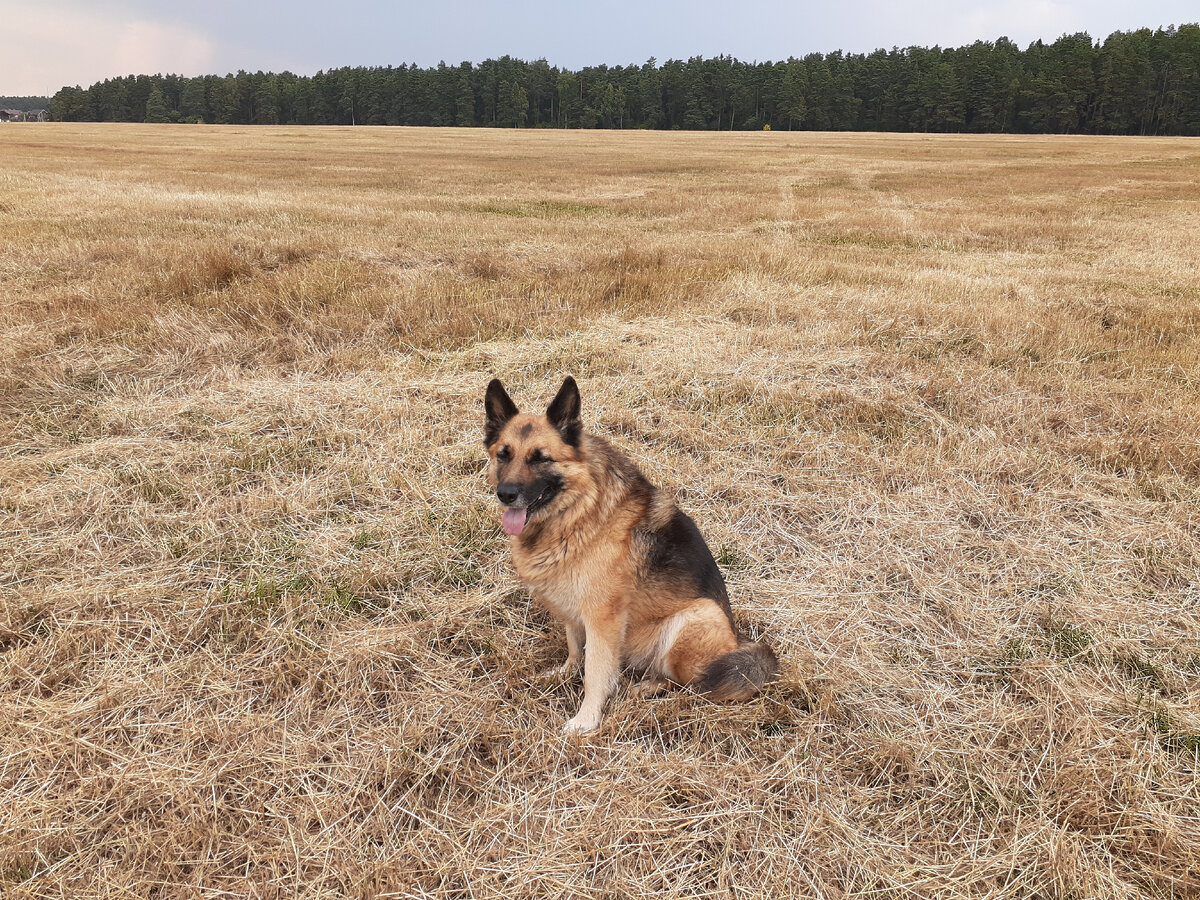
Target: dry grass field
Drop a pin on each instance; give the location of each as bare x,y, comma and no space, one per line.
932,400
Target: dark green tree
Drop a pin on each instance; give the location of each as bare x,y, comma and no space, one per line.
266,101
464,103
514,105
647,96
792,90
156,107
192,101
70,104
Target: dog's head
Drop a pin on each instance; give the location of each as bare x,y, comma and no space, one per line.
533,457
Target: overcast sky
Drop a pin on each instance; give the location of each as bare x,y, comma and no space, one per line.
45,44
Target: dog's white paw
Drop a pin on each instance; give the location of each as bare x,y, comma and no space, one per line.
581,724
565,672
650,687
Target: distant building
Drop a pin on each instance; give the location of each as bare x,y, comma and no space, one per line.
24,115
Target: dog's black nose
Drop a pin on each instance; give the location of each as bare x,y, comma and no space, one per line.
507,493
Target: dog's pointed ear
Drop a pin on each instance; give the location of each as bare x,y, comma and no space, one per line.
499,408
563,412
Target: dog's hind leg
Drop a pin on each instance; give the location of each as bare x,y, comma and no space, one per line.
697,635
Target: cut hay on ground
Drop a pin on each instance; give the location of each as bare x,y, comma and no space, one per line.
933,401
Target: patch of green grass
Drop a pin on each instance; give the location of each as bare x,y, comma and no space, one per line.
337,596
842,183
71,423
194,416
1171,734
868,240
1065,640
16,871
732,559
905,655
178,546
776,727
263,593
1022,357
933,347
1138,668
541,209
1015,652
367,539
153,486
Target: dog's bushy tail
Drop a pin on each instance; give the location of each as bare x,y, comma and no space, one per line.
740,673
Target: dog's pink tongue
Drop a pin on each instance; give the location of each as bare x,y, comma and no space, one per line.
513,521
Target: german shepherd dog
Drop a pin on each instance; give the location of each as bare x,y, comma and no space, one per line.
623,568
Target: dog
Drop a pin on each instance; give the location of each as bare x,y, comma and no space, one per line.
614,559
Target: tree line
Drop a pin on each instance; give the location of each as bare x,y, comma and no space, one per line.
1137,82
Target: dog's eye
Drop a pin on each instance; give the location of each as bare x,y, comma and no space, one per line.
537,456
504,454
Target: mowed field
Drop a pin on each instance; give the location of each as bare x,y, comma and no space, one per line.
934,402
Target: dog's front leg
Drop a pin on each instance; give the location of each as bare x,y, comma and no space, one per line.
575,637
601,665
